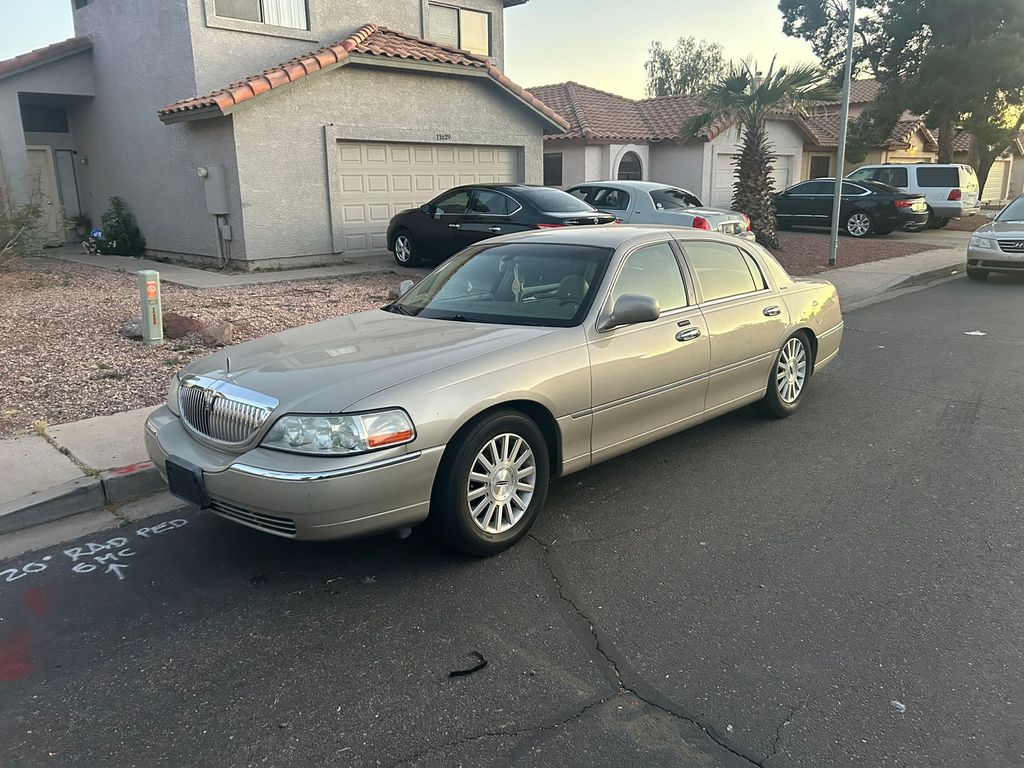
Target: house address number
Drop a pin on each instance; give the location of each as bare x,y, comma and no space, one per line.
444,137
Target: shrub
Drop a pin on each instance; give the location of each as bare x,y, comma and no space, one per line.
21,232
120,232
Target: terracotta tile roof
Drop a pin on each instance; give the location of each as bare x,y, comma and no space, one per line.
44,55
371,40
667,114
863,91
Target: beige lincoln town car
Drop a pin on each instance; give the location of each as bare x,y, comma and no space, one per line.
520,359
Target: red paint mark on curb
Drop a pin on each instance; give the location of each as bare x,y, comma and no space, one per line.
36,601
14,661
140,467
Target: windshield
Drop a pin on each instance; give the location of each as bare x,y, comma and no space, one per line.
668,199
1013,212
555,201
515,284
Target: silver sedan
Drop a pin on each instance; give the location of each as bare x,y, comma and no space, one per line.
645,202
523,358
999,245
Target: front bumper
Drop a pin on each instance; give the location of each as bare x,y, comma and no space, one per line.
308,498
994,260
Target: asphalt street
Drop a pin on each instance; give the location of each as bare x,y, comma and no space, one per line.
842,588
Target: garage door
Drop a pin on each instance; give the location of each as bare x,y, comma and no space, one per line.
377,180
995,186
722,178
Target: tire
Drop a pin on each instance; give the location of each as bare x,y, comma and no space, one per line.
883,231
793,367
406,253
479,518
941,223
859,224
974,273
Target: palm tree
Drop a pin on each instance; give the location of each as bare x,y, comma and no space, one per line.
747,98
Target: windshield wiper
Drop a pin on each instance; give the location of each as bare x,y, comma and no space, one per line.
398,309
456,318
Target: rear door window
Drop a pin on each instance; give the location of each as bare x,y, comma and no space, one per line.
938,177
723,270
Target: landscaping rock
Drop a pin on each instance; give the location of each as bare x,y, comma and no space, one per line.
178,326
217,334
132,329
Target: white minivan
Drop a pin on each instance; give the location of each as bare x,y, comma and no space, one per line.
952,191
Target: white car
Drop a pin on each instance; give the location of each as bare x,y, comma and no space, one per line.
951,191
645,202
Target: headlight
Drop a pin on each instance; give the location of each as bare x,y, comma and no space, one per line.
172,395
977,241
340,435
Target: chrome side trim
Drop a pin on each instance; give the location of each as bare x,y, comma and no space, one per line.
832,330
331,474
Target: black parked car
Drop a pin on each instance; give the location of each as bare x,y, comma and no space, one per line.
867,206
465,215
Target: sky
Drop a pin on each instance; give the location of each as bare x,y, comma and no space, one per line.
601,43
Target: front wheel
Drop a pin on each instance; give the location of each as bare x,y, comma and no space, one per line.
977,274
858,224
491,489
788,379
405,250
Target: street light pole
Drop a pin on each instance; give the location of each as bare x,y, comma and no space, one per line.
844,118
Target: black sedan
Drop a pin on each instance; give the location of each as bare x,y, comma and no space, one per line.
867,207
466,215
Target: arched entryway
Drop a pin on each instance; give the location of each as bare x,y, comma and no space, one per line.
631,167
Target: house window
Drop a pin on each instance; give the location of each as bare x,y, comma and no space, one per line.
820,166
630,167
460,28
553,170
278,13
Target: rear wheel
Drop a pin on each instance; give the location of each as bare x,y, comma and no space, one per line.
788,379
405,250
859,224
977,274
491,489
940,223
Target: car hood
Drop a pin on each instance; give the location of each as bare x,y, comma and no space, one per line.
1011,229
328,366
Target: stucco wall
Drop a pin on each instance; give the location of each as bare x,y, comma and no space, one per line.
679,164
283,141
573,160
226,50
142,57
71,76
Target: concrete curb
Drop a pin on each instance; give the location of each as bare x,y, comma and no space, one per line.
85,494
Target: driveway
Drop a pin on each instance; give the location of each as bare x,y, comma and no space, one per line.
837,589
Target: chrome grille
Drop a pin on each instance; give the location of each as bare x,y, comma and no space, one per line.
1011,246
223,411
281,526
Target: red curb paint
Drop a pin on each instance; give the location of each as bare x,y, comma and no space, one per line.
14,660
36,601
140,467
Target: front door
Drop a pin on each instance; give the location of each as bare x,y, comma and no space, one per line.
43,191
440,234
746,319
649,379
807,204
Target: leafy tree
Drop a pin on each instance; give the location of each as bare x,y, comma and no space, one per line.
956,61
747,98
690,66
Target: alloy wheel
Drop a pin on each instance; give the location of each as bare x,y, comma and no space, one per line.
501,483
403,248
791,371
859,224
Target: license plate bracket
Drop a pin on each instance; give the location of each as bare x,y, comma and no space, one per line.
185,480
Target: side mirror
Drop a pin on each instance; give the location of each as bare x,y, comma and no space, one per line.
405,286
991,215
630,309
428,209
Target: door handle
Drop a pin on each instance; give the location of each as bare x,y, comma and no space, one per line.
688,335
772,311
455,226
495,230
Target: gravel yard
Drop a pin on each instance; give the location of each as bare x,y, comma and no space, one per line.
63,357
806,252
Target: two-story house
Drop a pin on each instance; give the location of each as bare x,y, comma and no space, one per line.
271,131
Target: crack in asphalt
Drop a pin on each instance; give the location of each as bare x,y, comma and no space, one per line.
778,731
574,716
648,694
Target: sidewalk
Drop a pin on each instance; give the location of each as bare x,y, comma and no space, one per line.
93,465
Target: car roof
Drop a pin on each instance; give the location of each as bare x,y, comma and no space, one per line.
647,186
611,236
